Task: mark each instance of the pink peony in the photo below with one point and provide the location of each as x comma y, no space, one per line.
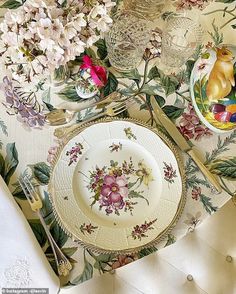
113,191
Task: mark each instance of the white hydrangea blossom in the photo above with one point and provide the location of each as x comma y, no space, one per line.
40,36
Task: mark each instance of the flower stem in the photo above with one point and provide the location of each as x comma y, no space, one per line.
229,21
225,188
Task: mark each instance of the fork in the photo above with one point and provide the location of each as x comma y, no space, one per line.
65,114
63,264
108,111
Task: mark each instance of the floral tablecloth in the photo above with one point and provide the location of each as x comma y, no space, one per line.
27,144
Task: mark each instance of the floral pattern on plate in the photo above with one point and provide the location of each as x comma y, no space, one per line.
74,153
87,228
129,134
169,173
116,186
115,147
140,231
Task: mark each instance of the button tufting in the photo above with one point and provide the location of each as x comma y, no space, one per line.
229,258
190,278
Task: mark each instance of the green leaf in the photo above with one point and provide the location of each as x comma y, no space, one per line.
206,201
38,231
102,260
102,49
111,85
18,193
189,68
60,73
216,35
49,106
147,251
41,172
47,209
11,4
2,165
172,111
160,100
205,55
46,96
224,168
153,73
105,257
69,251
58,234
150,90
129,90
11,162
90,53
69,94
132,75
134,194
86,274
3,127
168,83
170,240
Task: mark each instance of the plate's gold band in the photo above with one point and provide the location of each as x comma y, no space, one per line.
162,236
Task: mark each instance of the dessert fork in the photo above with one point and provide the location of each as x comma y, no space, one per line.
108,111
63,264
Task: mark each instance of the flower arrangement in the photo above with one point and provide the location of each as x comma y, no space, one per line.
115,187
39,36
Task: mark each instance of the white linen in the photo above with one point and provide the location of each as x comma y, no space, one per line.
22,261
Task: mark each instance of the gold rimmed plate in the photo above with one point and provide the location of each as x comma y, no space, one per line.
117,185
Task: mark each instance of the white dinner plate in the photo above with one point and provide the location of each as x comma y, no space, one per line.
117,185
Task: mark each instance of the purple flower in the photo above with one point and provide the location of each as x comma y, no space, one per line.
22,104
74,153
113,191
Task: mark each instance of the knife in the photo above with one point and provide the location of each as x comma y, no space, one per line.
182,143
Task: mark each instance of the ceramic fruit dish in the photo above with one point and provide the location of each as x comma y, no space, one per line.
117,186
213,88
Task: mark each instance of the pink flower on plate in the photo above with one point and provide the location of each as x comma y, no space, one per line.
113,191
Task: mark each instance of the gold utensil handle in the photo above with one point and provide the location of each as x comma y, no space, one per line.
63,264
212,179
64,131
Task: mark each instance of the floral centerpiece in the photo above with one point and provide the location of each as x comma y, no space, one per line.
39,37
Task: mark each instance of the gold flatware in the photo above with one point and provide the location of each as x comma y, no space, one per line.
182,143
63,264
63,116
108,111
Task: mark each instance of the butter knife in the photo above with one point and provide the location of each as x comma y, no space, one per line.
182,143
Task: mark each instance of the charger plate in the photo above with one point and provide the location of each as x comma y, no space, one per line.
117,186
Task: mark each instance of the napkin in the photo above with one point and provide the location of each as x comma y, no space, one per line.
22,261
